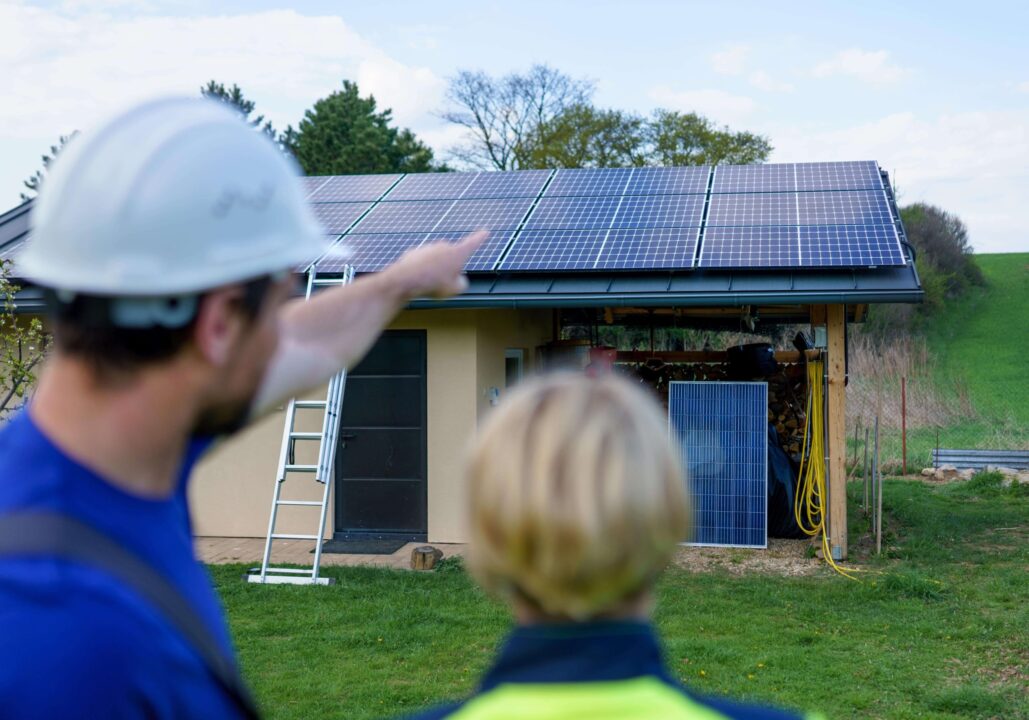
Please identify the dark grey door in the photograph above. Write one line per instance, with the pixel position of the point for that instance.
(381, 459)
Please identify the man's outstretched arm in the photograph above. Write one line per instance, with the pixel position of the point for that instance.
(337, 327)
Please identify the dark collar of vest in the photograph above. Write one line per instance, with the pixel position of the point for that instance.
(580, 652)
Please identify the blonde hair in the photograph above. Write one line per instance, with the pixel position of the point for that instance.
(577, 497)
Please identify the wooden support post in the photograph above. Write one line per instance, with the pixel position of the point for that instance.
(837, 440)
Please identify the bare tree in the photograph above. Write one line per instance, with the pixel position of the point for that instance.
(22, 346)
(504, 116)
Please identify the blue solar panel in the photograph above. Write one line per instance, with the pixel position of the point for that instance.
(647, 248)
(555, 250)
(849, 246)
(519, 183)
(668, 180)
(754, 178)
(370, 253)
(838, 176)
(590, 182)
(485, 258)
(337, 217)
(750, 247)
(647, 211)
(843, 208)
(722, 430)
(432, 186)
(312, 183)
(401, 217)
(753, 209)
(500, 214)
(581, 213)
(351, 188)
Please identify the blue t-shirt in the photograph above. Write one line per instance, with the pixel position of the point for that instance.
(74, 642)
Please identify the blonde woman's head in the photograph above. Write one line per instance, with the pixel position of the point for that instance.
(577, 498)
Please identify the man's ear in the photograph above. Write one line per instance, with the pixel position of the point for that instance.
(218, 326)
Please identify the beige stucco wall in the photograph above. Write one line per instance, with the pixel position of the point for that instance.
(231, 489)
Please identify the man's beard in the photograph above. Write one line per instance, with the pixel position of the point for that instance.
(223, 419)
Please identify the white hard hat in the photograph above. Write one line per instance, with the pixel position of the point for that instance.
(175, 196)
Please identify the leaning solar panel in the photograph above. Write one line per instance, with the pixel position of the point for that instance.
(839, 176)
(849, 246)
(777, 177)
(651, 211)
(370, 253)
(648, 249)
(753, 209)
(337, 217)
(400, 217)
(500, 214)
(517, 183)
(431, 186)
(858, 207)
(722, 430)
(352, 188)
(555, 250)
(573, 213)
(668, 180)
(755, 247)
(588, 182)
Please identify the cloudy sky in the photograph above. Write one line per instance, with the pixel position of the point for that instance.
(937, 92)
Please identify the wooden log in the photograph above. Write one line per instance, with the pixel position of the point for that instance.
(425, 557)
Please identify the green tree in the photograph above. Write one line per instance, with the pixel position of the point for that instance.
(344, 133)
(583, 136)
(22, 346)
(234, 96)
(941, 241)
(676, 138)
(36, 180)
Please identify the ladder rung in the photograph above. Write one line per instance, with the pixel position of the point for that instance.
(310, 404)
(285, 536)
(299, 502)
(291, 571)
(306, 435)
(301, 468)
(330, 281)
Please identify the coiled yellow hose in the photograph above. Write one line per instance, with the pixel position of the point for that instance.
(809, 504)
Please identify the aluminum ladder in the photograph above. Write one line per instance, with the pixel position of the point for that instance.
(322, 471)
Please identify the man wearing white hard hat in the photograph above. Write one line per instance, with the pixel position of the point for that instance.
(165, 241)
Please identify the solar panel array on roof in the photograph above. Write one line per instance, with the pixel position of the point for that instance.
(749, 216)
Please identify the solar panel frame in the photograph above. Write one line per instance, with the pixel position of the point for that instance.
(484, 214)
(516, 183)
(404, 217)
(749, 246)
(654, 211)
(338, 217)
(764, 209)
(555, 249)
(573, 213)
(843, 207)
(649, 248)
(588, 182)
(771, 177)
(722, 431)
(668, 180)
(431, 186)
(353, 188)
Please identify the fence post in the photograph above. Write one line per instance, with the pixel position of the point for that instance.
(864, 471)
(904, 425)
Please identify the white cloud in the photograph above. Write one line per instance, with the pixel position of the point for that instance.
(763, 81)
(975, 164)
(1023, 86)
(730, 61)
(868, 66)
(283, 60)
(720, 106)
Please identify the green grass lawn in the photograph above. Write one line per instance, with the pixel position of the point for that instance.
(984, 338)
(940, 631)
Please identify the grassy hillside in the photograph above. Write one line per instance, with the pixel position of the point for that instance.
(984, 338)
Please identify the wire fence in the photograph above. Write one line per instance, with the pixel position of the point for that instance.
(920, 407)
